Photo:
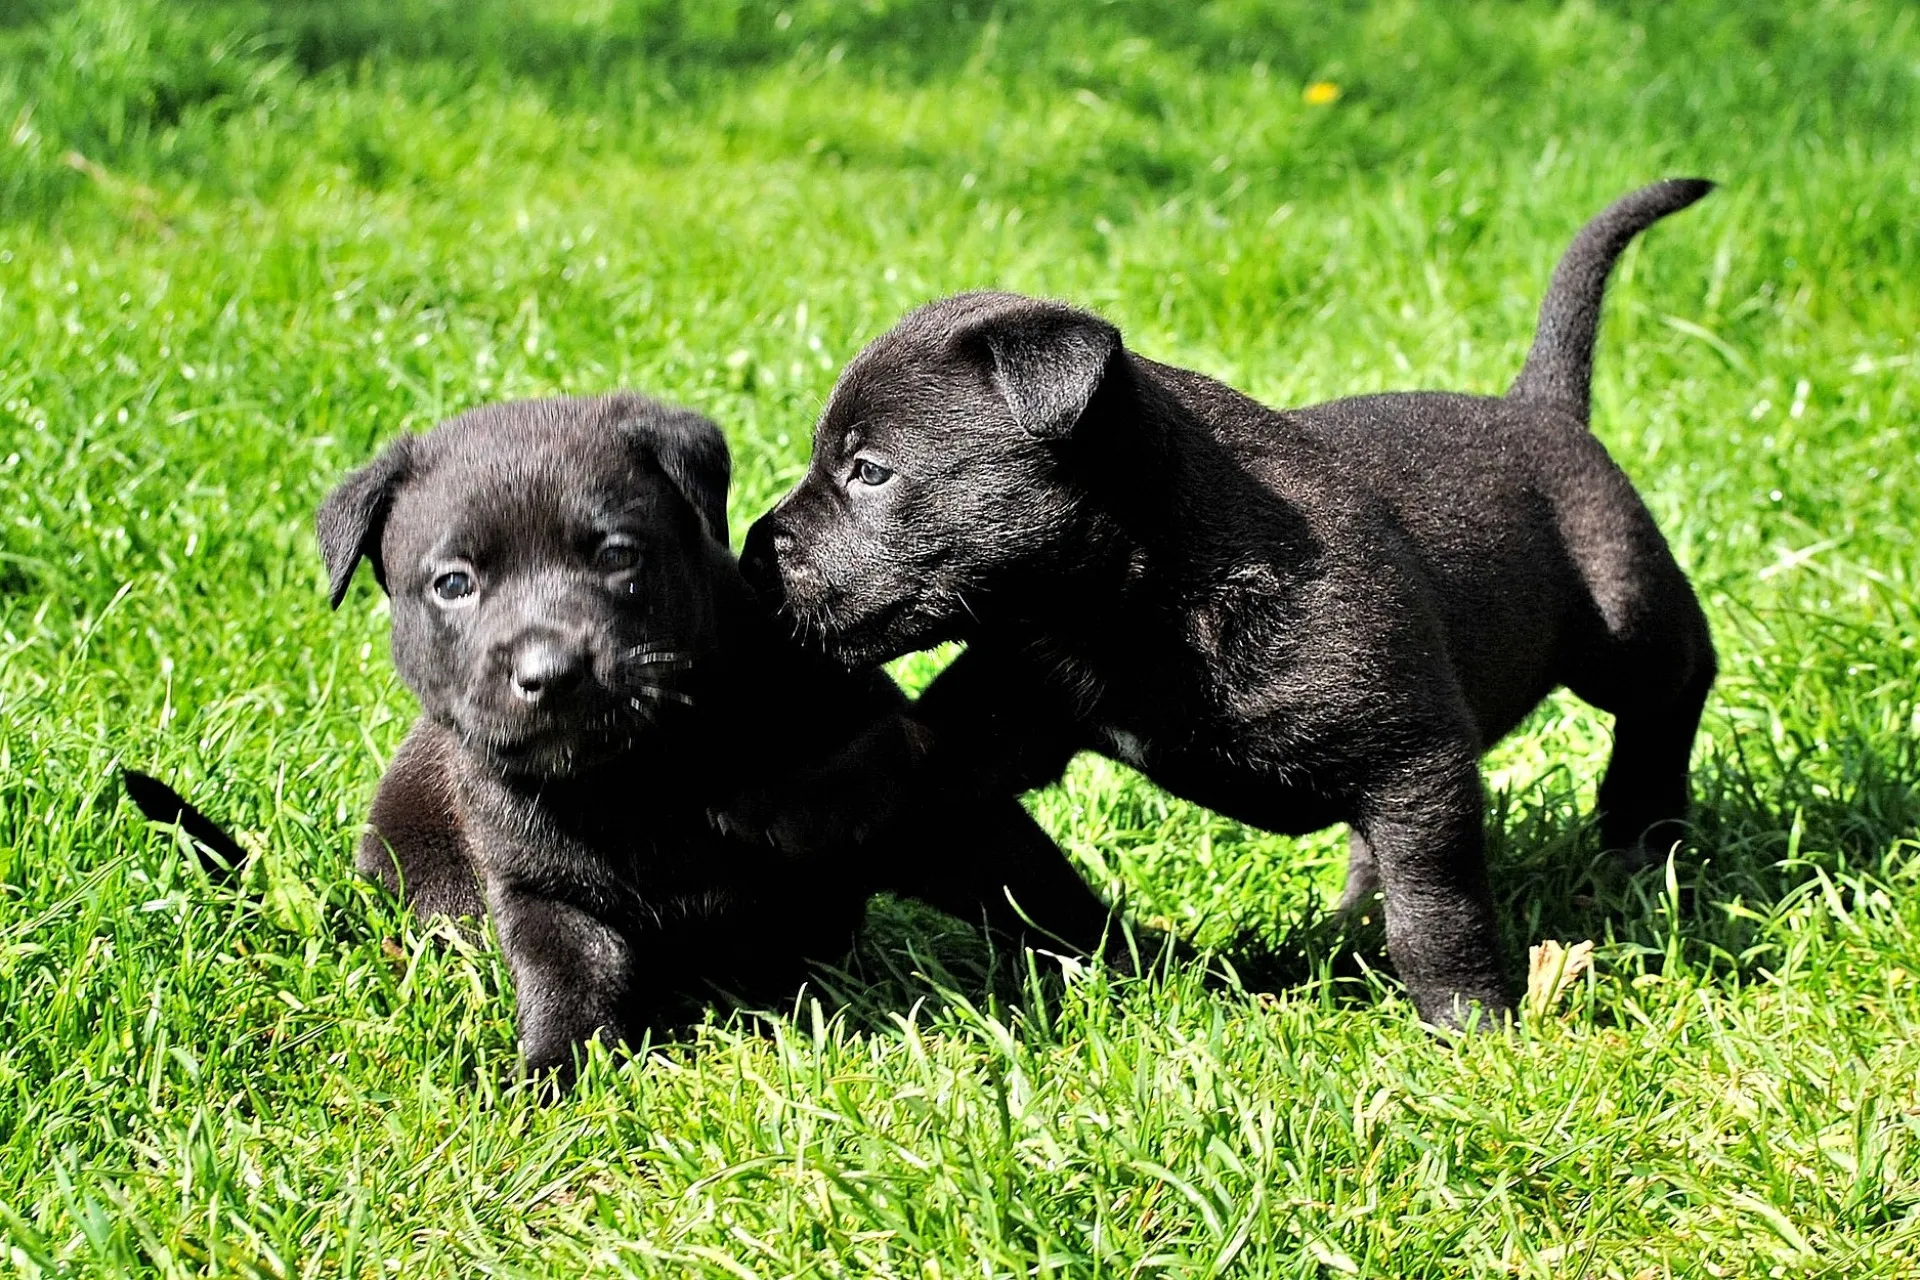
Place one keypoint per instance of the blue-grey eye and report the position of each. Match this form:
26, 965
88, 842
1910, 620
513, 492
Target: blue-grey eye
457, 585
867, 471
615, 556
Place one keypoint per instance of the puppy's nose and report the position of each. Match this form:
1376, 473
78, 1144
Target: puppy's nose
767, 544
547, 665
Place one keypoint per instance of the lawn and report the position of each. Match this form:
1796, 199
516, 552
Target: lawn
243, 243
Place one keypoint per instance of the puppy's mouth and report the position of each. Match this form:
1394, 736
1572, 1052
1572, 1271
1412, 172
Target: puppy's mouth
854, 625
562, 746
531, 759
540, 754
864, 638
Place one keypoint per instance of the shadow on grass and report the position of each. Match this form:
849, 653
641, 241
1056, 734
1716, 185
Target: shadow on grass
1763, 841
1767, 840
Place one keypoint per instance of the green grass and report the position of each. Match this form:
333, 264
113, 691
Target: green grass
240, 244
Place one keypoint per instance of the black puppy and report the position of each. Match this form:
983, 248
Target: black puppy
1295, 617
597, 681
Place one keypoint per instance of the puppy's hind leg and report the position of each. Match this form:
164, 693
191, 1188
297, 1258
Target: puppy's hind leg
1653, 678
1643, 798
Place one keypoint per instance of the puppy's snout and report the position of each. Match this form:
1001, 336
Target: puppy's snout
767, 545
547, 665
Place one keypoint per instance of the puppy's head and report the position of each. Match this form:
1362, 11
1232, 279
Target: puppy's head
942, 476
552, 566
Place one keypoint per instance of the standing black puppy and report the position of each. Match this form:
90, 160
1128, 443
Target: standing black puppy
1295, 617
596, 682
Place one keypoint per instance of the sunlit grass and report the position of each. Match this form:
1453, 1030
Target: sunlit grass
245, 242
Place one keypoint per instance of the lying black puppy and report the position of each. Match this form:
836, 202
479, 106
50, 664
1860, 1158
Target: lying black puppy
596, 683
1295, 617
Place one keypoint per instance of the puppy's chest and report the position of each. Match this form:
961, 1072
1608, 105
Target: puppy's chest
1222, 723
1201, 698
1242, 630
1252, 777
663, 854
1193, 745
1181, 728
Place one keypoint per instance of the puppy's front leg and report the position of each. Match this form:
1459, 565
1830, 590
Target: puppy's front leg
986, 728
998, 723
986, 860
1363, 878
571, 976
416, 843
1423, 825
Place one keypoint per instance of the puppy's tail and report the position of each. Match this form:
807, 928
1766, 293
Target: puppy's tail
220, 854
1559, 368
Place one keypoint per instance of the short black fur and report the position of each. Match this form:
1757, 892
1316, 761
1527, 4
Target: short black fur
599, 689
1296, 617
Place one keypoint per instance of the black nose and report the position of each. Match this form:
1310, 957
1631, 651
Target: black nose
547, 665
760, 556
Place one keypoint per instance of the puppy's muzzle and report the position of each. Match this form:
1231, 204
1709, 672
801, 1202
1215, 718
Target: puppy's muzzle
768, 548
545, 666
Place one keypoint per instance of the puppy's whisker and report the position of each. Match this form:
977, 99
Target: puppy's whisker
656, 668
663, 651
658, 693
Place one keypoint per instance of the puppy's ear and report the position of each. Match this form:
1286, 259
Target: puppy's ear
354, 515
1047, 361
691, 451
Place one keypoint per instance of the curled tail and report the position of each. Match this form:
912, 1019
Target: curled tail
1559, 368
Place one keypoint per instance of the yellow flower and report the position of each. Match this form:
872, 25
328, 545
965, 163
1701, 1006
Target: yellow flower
1320, 93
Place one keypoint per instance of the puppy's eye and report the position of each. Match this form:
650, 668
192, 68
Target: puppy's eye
452, 587
616, 557
867, 471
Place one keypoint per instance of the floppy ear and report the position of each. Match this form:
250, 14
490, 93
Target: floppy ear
354, 515
1047, 361
691, 451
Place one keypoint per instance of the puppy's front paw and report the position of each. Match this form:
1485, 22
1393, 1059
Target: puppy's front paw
739, 824
1458, 1011
800, 821
756, 820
